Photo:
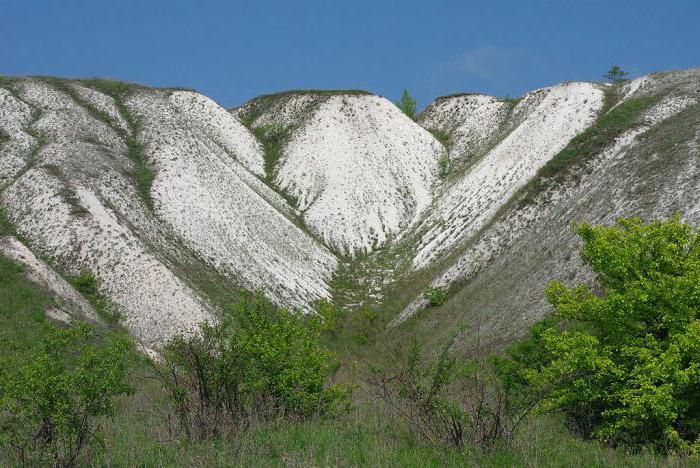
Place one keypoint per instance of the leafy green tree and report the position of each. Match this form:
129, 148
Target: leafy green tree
616, 75
407, 104
51, 402
624, 364
257, 363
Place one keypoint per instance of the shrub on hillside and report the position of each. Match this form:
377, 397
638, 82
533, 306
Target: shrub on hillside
52, 399
364, 324
257, 363
436, 296
623, 364
448, 401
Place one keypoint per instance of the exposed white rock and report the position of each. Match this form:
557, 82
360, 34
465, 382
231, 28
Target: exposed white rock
219, 210
155, 303
15, 116
668, 107
505, 232
362, 174
471, 121
635, 85
361, 171
59, 315
204, 115
558, 114
103, 103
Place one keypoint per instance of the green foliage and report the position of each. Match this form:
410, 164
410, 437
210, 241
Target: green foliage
443, 137
445, 140
114, 88
624, 365
512, 101
257, 363
86, 284
272, 137
364, 325
4, 137
449, 401
436, 296
407, 105
332, 318
444, 163
142, 173
616, 75
22, 307
50, 401
587, 144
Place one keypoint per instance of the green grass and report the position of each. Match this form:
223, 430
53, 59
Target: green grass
86, 284
443, 137
573, 158
142, 173
273, 138
142, 435
114, 88
22, 309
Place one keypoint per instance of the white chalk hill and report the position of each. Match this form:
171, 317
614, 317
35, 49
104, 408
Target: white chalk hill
174, 204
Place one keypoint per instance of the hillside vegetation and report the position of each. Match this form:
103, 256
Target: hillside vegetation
417, 249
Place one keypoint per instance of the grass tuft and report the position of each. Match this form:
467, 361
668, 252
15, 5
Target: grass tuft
272, 138
86, 284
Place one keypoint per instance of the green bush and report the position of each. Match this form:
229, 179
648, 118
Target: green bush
624, 364
436, 296
50, 400
445, 138
364, 324
257, 363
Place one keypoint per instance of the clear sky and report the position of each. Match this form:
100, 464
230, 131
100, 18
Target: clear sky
234, 50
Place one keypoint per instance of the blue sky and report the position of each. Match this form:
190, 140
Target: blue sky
232, 51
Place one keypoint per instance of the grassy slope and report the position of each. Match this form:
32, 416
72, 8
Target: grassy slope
507, 295
141, 434
22, 306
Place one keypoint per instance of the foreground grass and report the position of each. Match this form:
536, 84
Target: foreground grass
142, 434
22, 306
